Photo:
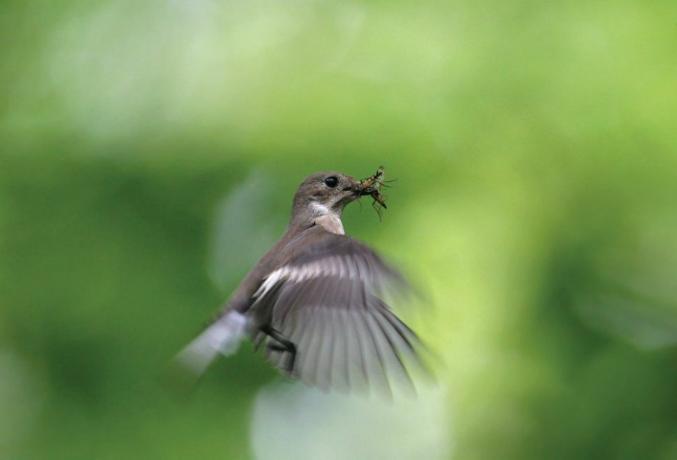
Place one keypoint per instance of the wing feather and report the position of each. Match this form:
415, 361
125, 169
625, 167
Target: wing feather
328, 300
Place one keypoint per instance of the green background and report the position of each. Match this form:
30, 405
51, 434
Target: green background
149, 152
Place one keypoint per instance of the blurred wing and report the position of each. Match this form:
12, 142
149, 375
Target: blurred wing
328, 301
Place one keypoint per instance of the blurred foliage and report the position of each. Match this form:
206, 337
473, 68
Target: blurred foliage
535, 149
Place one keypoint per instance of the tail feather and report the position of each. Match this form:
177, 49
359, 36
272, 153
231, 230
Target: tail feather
222, 337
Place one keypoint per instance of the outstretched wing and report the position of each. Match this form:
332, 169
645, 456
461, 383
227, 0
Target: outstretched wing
328, 300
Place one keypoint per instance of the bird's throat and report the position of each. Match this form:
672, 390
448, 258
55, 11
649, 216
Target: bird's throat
331, 222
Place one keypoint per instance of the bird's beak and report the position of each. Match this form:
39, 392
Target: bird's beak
363, 187
354, 189
368, 186
361, 191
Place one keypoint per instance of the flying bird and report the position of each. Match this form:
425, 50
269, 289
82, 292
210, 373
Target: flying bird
318, 300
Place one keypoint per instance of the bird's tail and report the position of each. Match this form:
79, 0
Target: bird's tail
222, 337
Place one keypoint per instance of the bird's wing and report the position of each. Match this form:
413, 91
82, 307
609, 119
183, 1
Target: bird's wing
327, 299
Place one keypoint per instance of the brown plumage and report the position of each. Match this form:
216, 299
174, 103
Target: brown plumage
316, 301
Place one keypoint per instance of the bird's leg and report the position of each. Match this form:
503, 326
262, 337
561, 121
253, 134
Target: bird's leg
282, 345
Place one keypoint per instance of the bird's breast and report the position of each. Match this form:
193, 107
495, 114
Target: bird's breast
332, 223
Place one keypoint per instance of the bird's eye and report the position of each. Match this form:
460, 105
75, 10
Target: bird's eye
331, 181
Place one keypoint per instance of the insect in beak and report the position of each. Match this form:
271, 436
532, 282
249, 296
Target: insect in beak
372, 186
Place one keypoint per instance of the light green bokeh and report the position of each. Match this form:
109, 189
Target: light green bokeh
535, 152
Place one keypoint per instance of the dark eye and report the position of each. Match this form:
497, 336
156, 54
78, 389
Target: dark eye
331, 181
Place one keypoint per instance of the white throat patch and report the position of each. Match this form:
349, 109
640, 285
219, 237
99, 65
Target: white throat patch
320, 209
327, 218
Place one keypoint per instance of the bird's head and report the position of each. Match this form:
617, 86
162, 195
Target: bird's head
327, 193
324, 193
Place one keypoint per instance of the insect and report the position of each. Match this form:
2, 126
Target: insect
372, 185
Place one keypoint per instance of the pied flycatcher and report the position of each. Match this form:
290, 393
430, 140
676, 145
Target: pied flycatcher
316, 300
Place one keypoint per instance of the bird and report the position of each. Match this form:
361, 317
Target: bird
318, 301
